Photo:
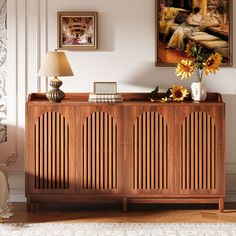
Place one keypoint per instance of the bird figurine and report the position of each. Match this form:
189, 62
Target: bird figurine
154, 94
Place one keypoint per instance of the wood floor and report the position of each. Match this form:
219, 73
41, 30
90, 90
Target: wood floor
169, 55
113, 213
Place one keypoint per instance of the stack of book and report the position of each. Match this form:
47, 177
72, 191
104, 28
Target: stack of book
110, 98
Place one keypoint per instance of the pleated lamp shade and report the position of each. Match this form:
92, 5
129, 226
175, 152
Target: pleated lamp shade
55, 64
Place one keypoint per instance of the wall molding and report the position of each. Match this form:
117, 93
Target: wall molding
231, 168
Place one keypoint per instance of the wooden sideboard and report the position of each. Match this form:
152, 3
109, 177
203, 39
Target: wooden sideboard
135, 151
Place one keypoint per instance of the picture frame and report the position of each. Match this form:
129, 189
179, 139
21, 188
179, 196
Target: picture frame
77, 30
105, 88
214, 34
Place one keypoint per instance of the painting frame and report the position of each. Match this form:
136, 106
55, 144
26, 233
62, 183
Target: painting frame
83, 37
161, 63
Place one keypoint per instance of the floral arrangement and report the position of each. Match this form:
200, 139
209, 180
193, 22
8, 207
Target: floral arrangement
176, 93
201, 63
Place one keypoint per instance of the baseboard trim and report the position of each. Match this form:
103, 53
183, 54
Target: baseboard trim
17, 195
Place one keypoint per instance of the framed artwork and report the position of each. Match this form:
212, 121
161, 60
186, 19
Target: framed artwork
77, 30
105, 87
208, 23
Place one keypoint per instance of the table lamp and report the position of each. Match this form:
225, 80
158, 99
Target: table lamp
55, 64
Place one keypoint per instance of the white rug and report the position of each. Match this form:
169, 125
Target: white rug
123, 229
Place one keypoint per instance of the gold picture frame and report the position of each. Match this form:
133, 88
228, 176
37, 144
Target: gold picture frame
77, 30
170, 15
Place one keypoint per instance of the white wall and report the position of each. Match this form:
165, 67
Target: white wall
126, 54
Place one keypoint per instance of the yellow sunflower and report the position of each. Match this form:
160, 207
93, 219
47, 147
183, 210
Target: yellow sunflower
191, 49
212, 63
178, 93
185, 69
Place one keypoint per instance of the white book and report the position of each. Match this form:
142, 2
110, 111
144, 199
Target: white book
105, 96
105, 100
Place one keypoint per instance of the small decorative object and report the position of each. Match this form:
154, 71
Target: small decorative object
198, 91
175, 94
201, 63
105, 92
55, 64
77, 30
105, 87
154, 94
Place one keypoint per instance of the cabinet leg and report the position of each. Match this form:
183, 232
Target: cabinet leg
125, 204
221, 205
29, 204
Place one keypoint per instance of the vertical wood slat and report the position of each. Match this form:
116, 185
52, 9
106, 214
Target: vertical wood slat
150, 152
51, 150
97, 150
93, 146
37, 160
67, 155
204, 150
106, 152
135, 166
183, 161
209, 152
45, 138
188, 143
157, 138
41, 155
144, 157
152, 128
89, 152
114, 154
85, 156
148, 173
198, 152
110, 136
62, 128
213, 135
165, 151
192, 130
58, 158
160, 151
140, 153
196, 147
100, 152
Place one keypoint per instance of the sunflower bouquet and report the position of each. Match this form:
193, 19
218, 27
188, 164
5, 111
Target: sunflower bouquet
201, 63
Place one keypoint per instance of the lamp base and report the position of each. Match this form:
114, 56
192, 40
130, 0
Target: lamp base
55, 95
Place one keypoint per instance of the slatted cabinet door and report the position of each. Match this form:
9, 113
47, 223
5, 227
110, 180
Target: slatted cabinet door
99, 147
199, 150
50, 149
149, 140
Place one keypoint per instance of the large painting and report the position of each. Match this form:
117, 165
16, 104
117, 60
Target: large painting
3, 71
208, 23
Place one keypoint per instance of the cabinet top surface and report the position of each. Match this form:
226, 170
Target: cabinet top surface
128, 98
